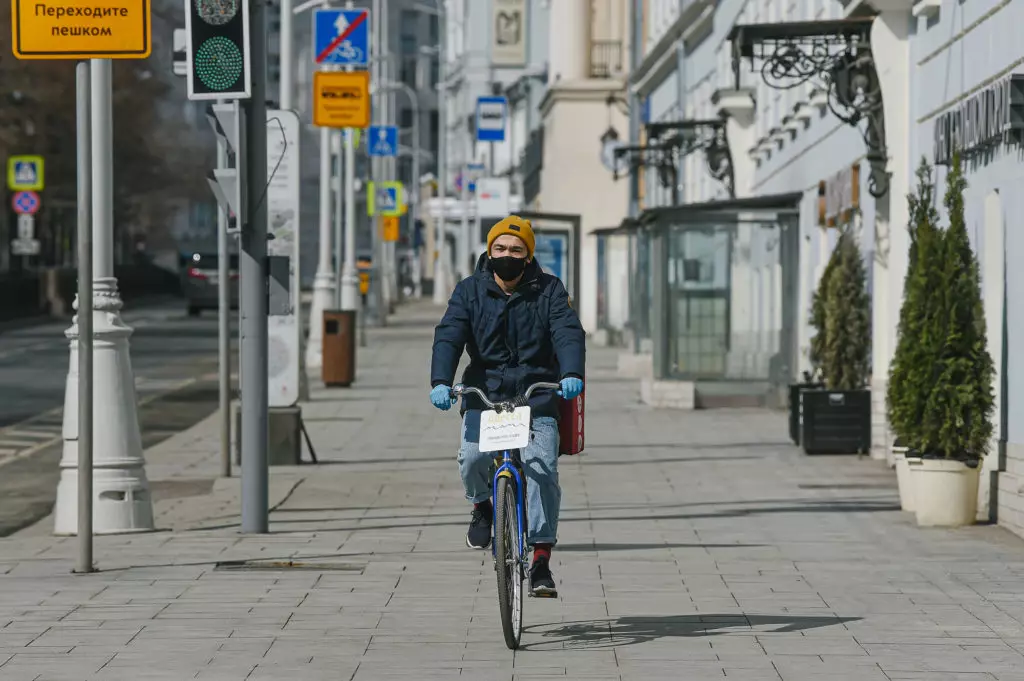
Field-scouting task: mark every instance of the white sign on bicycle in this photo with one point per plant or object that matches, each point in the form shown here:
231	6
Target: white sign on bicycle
507	430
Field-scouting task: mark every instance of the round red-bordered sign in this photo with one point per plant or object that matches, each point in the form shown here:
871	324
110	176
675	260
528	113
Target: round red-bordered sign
25	203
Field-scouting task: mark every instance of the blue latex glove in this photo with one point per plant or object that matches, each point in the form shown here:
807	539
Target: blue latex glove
571	388
441	397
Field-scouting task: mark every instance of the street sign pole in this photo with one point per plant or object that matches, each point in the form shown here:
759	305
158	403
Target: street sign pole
442	281
464	266
253	265
224	321
350	298
85	380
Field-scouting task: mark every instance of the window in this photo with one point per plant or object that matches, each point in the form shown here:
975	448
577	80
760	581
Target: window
409	64
434	34
407	119
410	35
435	132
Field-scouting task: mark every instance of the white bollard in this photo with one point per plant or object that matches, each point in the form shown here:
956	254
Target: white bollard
121	499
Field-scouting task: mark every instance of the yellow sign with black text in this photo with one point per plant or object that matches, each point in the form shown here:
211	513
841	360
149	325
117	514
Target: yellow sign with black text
76	29
341	99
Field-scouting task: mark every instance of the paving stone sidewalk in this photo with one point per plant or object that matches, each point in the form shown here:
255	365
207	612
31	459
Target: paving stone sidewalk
693	546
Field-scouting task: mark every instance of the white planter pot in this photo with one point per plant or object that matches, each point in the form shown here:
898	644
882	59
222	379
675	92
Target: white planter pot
945	492
903	479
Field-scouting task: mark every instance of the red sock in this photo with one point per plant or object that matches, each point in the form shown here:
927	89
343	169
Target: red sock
541	551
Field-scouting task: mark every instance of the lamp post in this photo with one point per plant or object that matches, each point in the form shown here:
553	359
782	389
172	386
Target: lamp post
323	281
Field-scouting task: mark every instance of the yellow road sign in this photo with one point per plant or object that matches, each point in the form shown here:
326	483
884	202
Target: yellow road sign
76	29
384	198
25	173
341	99
364	282
390	223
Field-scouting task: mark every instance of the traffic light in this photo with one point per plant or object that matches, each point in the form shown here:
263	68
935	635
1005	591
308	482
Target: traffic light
217	49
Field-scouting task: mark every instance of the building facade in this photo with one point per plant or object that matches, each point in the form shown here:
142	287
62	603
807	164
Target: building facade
815	142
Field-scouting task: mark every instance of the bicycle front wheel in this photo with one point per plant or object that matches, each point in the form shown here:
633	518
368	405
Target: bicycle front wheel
508	563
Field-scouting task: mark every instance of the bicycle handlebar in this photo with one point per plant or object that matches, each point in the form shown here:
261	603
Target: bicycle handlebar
460	390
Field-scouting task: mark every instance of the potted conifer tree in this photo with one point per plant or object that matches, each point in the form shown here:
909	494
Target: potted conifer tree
812	378
837	419
956	419
909	384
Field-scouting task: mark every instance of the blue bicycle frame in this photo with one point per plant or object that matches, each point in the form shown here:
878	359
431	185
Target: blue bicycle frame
508	469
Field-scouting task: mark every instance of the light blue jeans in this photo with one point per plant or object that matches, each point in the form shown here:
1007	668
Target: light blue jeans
540	461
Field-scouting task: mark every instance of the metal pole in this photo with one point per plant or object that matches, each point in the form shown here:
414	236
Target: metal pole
338	190
224	324
415	187
440	226
101	121
351	299
378	270
287	54
254	278
463	267
84	318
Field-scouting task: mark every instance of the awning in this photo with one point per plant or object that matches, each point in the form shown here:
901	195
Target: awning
786	204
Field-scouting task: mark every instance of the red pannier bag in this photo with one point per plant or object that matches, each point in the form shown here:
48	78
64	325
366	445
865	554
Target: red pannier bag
570	425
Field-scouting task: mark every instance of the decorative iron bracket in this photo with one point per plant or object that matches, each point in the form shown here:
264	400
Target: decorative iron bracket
708	135
663	157
837	55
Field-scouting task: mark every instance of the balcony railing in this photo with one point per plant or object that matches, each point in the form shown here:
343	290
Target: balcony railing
605	58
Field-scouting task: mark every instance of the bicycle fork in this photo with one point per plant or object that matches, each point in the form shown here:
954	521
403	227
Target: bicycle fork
508	469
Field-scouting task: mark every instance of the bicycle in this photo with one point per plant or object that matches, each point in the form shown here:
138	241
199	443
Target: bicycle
504	431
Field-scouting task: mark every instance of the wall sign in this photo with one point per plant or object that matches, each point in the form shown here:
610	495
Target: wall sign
508	32
839	197
986	118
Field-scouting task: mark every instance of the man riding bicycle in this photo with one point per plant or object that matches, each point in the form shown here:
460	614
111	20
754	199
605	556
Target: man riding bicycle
518	326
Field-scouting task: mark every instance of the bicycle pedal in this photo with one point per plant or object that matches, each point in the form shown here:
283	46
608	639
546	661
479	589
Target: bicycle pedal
544	594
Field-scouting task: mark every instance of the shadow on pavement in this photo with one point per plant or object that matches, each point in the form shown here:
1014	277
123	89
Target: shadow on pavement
809	507
678	459
651	546
634	630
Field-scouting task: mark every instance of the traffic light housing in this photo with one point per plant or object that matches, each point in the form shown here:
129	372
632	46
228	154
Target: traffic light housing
217	49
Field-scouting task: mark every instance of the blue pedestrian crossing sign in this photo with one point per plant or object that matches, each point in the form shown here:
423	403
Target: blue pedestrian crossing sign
383	140
341	36
25	173
384	198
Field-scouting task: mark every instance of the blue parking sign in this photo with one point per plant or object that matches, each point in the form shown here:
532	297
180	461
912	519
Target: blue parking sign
382	140
341	36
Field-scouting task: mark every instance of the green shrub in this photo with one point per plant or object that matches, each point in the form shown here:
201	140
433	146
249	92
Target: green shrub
956	421
910	372
846	357
818	316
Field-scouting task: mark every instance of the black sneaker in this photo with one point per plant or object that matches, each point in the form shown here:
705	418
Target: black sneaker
541	581
479	534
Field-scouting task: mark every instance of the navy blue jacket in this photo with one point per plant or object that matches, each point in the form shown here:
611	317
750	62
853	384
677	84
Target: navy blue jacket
513	340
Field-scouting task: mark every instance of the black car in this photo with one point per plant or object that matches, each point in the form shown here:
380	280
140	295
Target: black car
199	281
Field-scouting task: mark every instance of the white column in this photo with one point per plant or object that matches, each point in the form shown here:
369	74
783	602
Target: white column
287	52
892	60
350	297
121	501
323	283
568	40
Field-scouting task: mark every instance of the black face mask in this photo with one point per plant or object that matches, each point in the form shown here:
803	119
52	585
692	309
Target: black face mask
508	267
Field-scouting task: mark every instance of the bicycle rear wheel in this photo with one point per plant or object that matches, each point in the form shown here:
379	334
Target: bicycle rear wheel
508	562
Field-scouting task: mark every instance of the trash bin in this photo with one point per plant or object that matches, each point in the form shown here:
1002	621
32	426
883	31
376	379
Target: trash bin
339	348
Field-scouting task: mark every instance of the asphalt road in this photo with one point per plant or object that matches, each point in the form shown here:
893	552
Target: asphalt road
174	358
